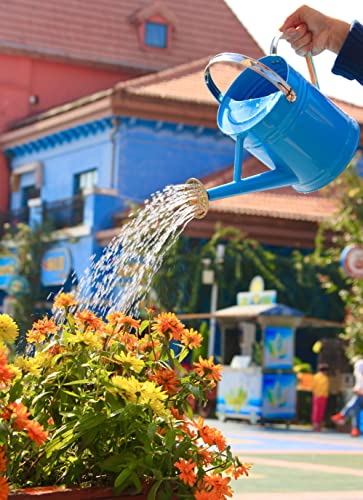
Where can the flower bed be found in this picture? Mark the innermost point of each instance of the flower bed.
(103, 402)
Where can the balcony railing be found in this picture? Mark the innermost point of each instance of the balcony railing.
(64, 213)
(13, 217)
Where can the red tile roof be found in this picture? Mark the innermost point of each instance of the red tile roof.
(283, 203)
(107, 32)
(186, 83)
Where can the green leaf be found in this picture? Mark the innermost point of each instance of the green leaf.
(151, 430)
(153, 490)
(89, 421)
(170, 439)
(122, 479)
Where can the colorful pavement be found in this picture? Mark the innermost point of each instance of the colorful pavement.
(295, 463)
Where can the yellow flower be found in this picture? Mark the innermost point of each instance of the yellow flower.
(8, 328)
(129, 361)
(43, 358)
(88, 337)
(154, 396)
(129, 388)
(28, 365)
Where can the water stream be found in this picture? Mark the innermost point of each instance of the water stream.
(122, 276)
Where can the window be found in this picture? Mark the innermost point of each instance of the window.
(156, 35)
(29, 193)
(85, 181)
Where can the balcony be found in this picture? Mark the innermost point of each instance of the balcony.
(14, 217)
(64, 213)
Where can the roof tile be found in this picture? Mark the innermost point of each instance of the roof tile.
(103, 31)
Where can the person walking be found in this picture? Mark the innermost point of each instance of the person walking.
(355, 404)
(320, 392)
(308, 30)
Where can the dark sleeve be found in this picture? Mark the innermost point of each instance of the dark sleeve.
(349, 62)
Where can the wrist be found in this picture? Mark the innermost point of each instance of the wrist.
(338, 33)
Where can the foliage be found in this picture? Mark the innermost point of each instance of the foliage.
(104, 402)
(295, 277)
(345, 228)
(30, 244)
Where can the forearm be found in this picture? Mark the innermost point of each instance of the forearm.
(349, 62)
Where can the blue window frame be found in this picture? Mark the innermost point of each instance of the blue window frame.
(156, 35)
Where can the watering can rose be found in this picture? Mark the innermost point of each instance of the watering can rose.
(103, 402)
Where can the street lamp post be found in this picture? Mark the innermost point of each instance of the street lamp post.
(208, 278)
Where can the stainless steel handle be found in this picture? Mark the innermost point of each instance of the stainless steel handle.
(308, 58)
(254, 65)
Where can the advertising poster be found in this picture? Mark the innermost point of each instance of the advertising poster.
(278, 348)
(279, 395)
(239, 393)
(8, 268)
(56, 266)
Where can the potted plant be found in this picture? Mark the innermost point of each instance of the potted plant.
(100, 405)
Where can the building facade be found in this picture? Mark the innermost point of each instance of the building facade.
(80, 165)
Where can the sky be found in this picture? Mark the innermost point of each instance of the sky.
(263, 18)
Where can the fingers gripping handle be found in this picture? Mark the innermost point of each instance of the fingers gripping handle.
(308, 58)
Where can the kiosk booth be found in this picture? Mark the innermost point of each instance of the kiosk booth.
(267, 390)
(249, 391)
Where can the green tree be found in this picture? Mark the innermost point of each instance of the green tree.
(344, 229)
(29, 244)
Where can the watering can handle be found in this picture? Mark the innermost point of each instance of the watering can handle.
(308, 58)
(252, 64)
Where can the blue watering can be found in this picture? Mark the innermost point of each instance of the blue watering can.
(283, 120)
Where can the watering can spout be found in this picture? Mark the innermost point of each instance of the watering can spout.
(260, 182)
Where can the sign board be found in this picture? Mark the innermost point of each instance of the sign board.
(8, 268)
(239, 393)
(351, 260)
(256, 294)
(278, 348)
(279, 395)
(17, 286)
(56, 266)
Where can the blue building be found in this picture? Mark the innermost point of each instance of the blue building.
(80, 165)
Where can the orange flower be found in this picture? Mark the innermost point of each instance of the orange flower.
(6, 373)
(36, 432)
(202, 495)
(176, 414)
(64, 301)
(168, 323)
(241, 470)
(2, 459)
(206, 456)
(210, 435)
(19, 412)
(186, 468)
(41, 329)
(206, 368)
(219, 485)
(117, 319)
(4, 488)
(166, 378)
(191, 338)
(88, 319)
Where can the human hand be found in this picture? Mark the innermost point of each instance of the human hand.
(308, 30)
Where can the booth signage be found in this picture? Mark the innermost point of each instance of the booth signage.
(352, 261)
(240, 393)
(278, 347)
(256, 294)
(279, 395)
(17, 286)
(8, 268)
(56, 266)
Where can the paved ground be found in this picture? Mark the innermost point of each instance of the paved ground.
(295, 463)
